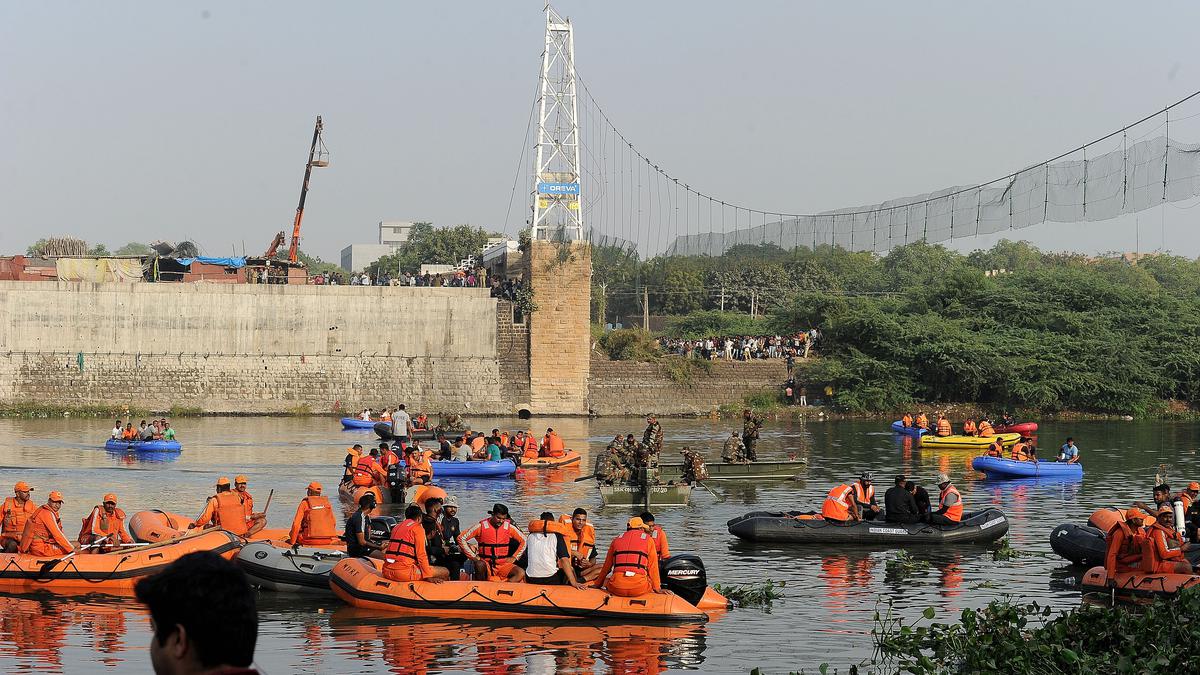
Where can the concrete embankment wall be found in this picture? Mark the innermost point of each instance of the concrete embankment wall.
(234, 348)
(633, 388)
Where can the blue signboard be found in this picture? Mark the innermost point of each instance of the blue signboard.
(558, 188)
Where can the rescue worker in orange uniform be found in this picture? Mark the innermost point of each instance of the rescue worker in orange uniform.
(104, 528)
(43, 533)
(1123, 542)
(633, 561)
(405, 558)
(581, 544)
(552, 444)
(13, 514)
(367, 471)
(256, 520)
(1191, 510)
(969, 428)
(985, 428)
(387, 456)
(493, 560)
(864, 497)
(224, 510)
(417, 463)
(658, 534)
(528, 445)
(943, 426)
(840, 506)
(1164, 546)
(353, 454)
(1021, 450)
(950, 503)
(996, 449)
(923, 421)
(315, 523)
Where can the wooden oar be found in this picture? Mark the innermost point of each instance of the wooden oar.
(710, 491)
(587, 477)
(49, 564)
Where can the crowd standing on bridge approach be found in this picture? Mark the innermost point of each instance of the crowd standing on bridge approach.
(744, 347)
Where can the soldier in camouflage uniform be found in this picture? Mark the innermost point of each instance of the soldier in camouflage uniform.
(631, 452)
(734, 451)
(609, 468)
(693, 466)
(654, 434)
(751, 423)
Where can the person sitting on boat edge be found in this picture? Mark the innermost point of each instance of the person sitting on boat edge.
(996, 449)
(358, 529)
(921, 497)
(581, 544)
(1022, 451)
(450, 529)
(922, 421)
(943, 425)
(43, 534)
(116, 431)
(693, 466)
(256, 520)
(461, 451)
(950, 503)
(632, 559)
(445, 453)
(1123, 549)
(547, 558)
(405, 558)
(168, 433)
(417, 463)
(314, 523)
(906, 421)
(969, 428)
(1164, 546)
(734, 451)
(1007, 420)
(864, 496)
(104, 528)
(899, 504)
(1191, 510)
(658, 534)
(203, 616)
(839, 505)
(14, 513)
(1162, 499)
(985, 428)
(223, 510)
(129, 434)
(1069, 452)
(494, 560)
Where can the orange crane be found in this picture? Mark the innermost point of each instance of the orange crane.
(318, 156)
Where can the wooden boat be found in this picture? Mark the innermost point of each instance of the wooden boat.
(958, 442)
(360, 583)
(631, 494)
(568, 458)
(119, 570)
(759, 470)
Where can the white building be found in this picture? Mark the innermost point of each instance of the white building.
(394, 232)
(356, 257)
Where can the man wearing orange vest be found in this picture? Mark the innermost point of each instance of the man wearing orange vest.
(13, 514)
(1021, 450)
(405, 558)
(224, 510)
(950, 504)
(985, 428)
(943, 426)
(104, 528)
(969, 428)
(417, 464)
(352, 456)
(581, 544)
(527, 444)
(864, 497)
(906, 421)
(493, 560)
(387, 456)
(43, 533)
(633, 561)
(367, 472)
(315, 523)
(256, 520)
(839, 505)
(552, 444)
(657, 534)
(1164, 546)
(923, 421)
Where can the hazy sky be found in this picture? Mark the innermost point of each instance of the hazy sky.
(134, 121)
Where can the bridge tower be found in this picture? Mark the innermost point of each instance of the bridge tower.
(557, 215)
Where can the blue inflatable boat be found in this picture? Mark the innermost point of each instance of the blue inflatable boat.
(355, 423)
(999, 467)
(142, 446)
(441, 469)
(915, 432)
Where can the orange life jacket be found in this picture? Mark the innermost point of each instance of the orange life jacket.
(986, 429)
(837, 503)
(107, 525)
(659, 536)
(319, 522)
(504, 439)
(14, 516)
(1171, 542)
(424, 493)
(943, 427)
(863, 495)
(1186, 499)
(38, 539)
(906, 420)
(492, 542)
(631, 553)
(954, 512)
(580, 544)
(969, 428)
(421, 422)
(1019, 452)
(552, 444)
(364, 473)
(230, 513)
(995, 449)
(403, 543)
(550, 527)
(922, 421)
(389, 458)
(530, 448)
(129, 434)
(1124, 551)
(419, 465)
(478, 442)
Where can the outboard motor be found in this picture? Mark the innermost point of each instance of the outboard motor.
(395, 483)
(684, 575)
(381, 527)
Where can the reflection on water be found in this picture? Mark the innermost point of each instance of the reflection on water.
(829, 598)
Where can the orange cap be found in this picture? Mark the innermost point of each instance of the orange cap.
(1194, 486)
(1134, 512)
(56, 496)
(222, 481)
(636, 523)
(314, 485)
(110, 497)
(22, 486)
(240, 479)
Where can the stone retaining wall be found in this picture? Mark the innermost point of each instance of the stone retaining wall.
(633, 388)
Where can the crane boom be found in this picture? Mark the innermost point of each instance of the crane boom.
(317, 156)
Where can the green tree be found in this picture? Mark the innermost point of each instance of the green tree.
(99, 250)
(428, 245)
(133, 248)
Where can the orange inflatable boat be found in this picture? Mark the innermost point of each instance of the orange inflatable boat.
(350, 493)
(159, 526)
(1137, 584)
(568, 458)
(118, 570)
(359, 582)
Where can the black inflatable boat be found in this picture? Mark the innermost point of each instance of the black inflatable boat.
(976, 528)
(1084, 545)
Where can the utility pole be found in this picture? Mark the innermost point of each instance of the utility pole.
(753, 303)
(646, 309)
(722, 298)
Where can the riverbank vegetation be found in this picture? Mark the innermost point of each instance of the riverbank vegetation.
(1010, 327)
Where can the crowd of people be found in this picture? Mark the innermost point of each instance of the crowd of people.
(744, 347)
(1147, 538)
(904, 503)
(156, 430)
(1024, 450)
(476, 277)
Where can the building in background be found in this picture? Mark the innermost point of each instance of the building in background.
(392, 235)
(394, 232)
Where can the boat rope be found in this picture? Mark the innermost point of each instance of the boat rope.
(50, 578)
(475, 591)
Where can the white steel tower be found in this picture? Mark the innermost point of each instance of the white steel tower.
(556, 195)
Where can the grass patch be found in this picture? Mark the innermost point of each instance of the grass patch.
(300, 410)
(903, 565)
(184, 411)
(1005, 551)
(685, 371)
(39, 410)
(630, 344)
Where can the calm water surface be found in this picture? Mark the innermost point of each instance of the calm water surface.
(830, 594)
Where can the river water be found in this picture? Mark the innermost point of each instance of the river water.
(830, 595)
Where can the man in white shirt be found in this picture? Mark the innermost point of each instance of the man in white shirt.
(547, 558)
(401, 424)
(116, 430)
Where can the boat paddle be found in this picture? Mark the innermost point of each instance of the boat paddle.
(49, 564)
(583, 478)
(710, 491)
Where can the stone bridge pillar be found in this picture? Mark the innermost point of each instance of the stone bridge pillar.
(559, 331)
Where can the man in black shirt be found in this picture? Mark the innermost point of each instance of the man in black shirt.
(451, 528)
(358, 529)
(900, 505)
(445, 453)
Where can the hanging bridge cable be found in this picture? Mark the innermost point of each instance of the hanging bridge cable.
(521, 160)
